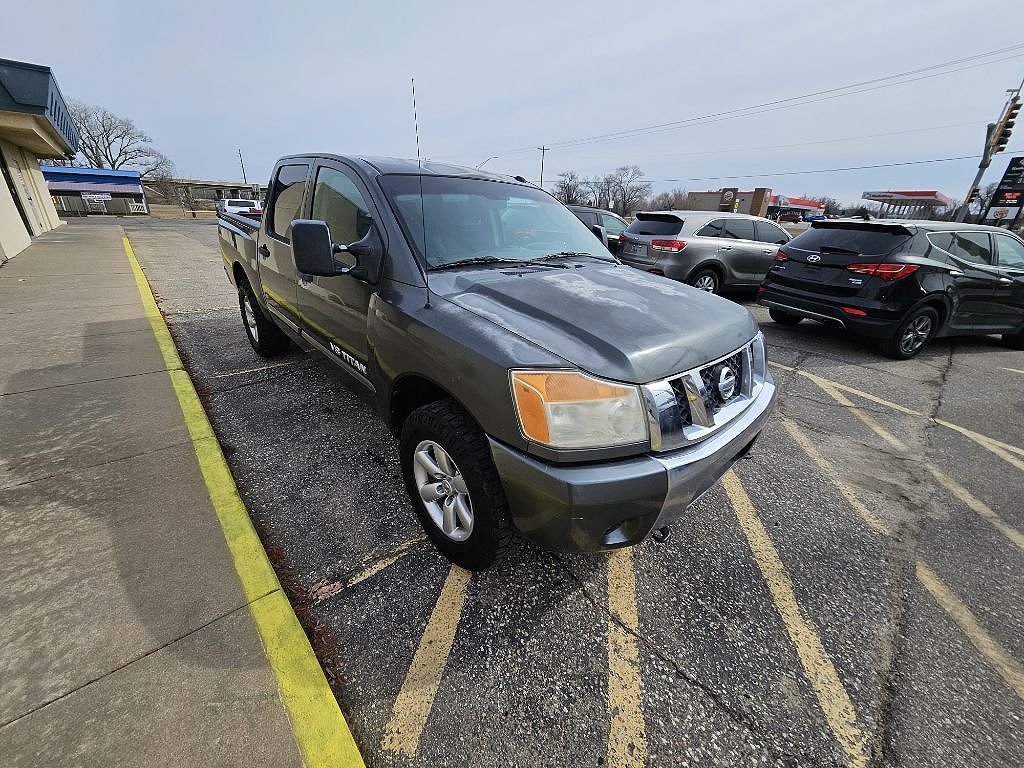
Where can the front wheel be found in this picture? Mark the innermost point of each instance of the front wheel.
(454, 486)
(705, 280)
(913, 334)
(1014, 340)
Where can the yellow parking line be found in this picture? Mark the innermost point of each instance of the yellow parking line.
(416, 697)
(1013, 370)
(322, 735)
(627, 733)
(973, 503)
(1008, 667)
(374, 568)
(818, 667)
(1000, 449)
(1005, 665)
(825, 466)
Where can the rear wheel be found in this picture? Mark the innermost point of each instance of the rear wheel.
(706, 280)
(266, 338)
(454, 485)
(1014, 340)
(913, 334)
(783, 318)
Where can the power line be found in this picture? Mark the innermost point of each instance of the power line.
(770, 106)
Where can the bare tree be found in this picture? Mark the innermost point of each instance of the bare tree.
(673, 200)
(571, 189)
(628, 192)
(599, 190)
(829, 204)
(109, 141)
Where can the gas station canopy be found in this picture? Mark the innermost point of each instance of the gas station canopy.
(909, 204)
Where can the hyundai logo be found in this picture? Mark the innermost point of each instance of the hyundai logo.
(814, 257)
(726, 382)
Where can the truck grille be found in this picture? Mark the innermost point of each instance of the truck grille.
(692, 405)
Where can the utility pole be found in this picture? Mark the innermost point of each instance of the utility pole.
(543, 151)
(996, 136)
(244, 180)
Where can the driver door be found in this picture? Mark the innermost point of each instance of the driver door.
(334, 309)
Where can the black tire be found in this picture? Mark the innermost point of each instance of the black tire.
(783, 318)
(265, 337)
(491, 536)
(706, 277)
(906, 343)
(1014, 340)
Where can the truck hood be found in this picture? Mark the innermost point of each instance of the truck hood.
(611, 321)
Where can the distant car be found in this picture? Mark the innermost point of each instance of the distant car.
(901, 282)
(791, 218)
(613, 224)
(815, 217)
(243, 207)
(708, 250)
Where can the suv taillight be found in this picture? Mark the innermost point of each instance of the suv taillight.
(674, 246)
(781, 255)
(884, 271)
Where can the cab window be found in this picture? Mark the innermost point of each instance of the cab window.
(289, 185)
(338, 201)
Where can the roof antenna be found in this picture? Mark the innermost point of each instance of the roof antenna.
(419, 168)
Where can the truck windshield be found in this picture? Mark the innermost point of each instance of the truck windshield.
(463, 219)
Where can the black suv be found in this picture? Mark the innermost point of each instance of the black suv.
(613, 224)
(902, 282)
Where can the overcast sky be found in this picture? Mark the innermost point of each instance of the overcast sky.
(502, 78)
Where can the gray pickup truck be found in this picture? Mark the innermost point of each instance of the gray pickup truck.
(535, 384)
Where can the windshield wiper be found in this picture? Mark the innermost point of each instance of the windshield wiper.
(494, 260)
(565, 254)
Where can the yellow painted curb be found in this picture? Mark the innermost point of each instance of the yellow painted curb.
(319, 726)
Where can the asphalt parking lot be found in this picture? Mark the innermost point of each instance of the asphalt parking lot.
(850, 595)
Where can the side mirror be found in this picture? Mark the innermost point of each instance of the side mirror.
(312, 248)
(601, 233)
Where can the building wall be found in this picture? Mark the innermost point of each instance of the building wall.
(30, 187)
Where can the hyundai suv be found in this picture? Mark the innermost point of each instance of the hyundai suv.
(708, 250)
(901, 282)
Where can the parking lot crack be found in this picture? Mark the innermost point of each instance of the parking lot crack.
(941, 385)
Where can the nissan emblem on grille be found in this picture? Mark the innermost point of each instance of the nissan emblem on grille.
(726, 382)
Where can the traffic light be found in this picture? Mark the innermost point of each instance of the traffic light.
(1005, 126)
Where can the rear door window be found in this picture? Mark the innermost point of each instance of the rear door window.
(655, 224)
(974, 247)
(1010, 251)
(711, 229)
(289, 185)
(870, 239)
(769, 233)
(739, 229)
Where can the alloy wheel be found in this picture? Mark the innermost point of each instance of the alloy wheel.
(916, 334)
(250, 318)
(705, 283)
(443, 490)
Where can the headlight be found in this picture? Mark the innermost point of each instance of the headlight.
(572, 410)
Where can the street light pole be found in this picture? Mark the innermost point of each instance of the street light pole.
(244, 180)
(543, 151)
(986, 160)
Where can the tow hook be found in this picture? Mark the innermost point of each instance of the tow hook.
(661, 534)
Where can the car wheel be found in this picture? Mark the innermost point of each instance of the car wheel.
(1014, 340)
(266, 338)
(783, 318)
(913, 334)
(454, 486)
(705, 280)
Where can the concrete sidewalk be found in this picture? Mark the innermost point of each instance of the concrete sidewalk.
(125, 635)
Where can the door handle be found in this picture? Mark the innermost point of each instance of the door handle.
(725, 247)
(767, 250)
(1005, 280)
(956, 273)
(264, 251)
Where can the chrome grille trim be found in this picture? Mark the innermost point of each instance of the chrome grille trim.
(676, 422)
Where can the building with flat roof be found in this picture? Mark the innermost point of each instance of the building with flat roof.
(34, 123)
(81, 191)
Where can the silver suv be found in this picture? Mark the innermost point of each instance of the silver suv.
(707, 249)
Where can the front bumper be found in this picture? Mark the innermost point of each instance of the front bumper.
(586, 507)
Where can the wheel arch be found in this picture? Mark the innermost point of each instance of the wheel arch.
(411, 391)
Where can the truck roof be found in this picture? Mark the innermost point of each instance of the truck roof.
(403, 165)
